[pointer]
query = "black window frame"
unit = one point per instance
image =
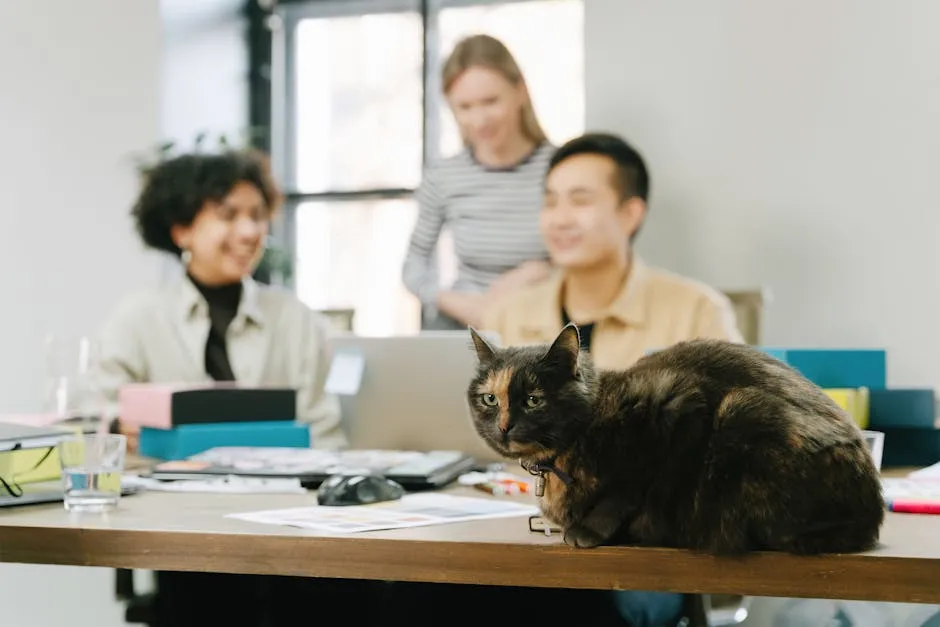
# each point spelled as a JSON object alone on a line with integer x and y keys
{"x": 269, "y": 70}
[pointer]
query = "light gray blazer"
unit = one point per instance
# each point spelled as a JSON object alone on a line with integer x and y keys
{"x": 158, "y": 335}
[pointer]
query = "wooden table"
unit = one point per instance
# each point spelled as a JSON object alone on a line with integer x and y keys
{"x": 165, "y": 531}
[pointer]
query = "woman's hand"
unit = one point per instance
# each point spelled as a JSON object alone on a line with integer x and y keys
{"x": 468, "y": 307}
{"x": 526, "y": 273}
{"x": 465, "y": 307}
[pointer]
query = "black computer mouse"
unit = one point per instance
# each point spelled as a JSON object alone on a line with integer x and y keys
{"x": 358, "y": 490}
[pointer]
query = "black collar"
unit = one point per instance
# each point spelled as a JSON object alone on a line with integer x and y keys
{"x": 548, "y": 465}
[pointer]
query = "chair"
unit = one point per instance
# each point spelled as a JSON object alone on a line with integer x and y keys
{"x": 340, "y": 319}
{"x": 694, "y": 611}
{"x": 138, "y": 608}
{"x": 725, "y": 610}
{"x": 748, "y": 308}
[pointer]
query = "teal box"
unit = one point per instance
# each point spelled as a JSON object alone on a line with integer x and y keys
{"x": 837, "y": 368}
{"x": 186, "y": 440}
{"x": 891, "y": 409}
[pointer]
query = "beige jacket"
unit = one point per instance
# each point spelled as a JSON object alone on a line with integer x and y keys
{"x": 159, "y": 335}
{"x": 654, "y": 310}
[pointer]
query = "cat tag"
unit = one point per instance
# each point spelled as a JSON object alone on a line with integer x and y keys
{"x": 540, "y": 484}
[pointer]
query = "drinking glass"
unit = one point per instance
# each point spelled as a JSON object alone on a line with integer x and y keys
{"x": 92, "y": 465}
{"x": 71, "y": 393}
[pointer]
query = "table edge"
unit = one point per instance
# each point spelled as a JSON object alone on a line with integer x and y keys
{"x": 869, "y": 576}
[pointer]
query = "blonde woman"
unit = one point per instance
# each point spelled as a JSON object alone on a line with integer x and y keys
{"x": 489, "y": 195}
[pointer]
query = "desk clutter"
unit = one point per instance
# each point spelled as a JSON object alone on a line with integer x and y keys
{"x": 177, "y": 421}
{"x": 42, "y": 463}
{"x": 856, "y": 379}
{"x": 917, "y": 493}
{"x": 414, "y": 470}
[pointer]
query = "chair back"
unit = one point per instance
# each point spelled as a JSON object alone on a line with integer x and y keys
{"x": 748, "y": 308}
{"x": 341, "y": 320}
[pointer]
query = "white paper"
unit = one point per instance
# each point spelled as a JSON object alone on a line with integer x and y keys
{"x": 930, "y": 472}
{"x": 921, "y": 489}
{"x": 345, "y": 373}
{"x": 412, "y": 510}
{"x": 219, "y": 485}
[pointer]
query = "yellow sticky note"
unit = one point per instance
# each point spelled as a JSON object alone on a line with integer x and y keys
{"x": 29, "y": 466}
{"x": 855, "y": 402}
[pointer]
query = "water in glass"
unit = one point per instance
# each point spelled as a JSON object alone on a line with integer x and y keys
{"x": 91, "y": 471}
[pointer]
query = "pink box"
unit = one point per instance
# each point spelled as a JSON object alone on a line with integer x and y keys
{"x": 150, "y": 404}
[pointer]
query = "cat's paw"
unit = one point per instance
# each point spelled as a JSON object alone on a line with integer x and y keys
{"x": 582, "y": 538}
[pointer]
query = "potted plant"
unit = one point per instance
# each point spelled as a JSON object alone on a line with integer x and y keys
{"x": 276, "y": 266}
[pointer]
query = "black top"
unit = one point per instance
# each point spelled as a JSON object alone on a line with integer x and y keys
{"x": 223, "y": 305}
{"x": 586, "y": 331}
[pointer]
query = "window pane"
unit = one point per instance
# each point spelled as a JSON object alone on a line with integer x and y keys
{"x": 547, "y": 40}
{"x": 358, "y": 108}
{"x": 350, "y": 255}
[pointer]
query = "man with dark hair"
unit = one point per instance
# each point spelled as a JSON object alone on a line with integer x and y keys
{"x": 596, "y": 193}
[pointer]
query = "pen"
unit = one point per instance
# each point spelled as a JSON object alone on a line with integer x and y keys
{"x": 914, "y": 507}
{"x": 495, "y": 489}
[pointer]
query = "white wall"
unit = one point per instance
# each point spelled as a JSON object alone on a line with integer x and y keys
{"x": 205, "y": 71}
{"x": 793, "y": 145}
{"x": 80, "y": 96}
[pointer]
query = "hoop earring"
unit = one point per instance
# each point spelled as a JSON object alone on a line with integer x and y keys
{"x": 185, "y": 257}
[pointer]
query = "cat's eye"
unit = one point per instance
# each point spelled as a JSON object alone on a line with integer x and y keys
{"x": 532, "y": 401}
{"x": 489, "y": 400}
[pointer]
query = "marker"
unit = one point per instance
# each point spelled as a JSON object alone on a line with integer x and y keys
{"x": 492, "y": 488}
{"x": 495, "y": 488}
{"x": 901, "y": 506}
{"x": 516, "y": 484}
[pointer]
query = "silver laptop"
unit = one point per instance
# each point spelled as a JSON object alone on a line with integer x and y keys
{"x": 413, "y": 393}
{"x": 16, "y": 436}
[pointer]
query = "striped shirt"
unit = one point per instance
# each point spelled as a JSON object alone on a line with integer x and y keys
{"x": 492, "y": 215}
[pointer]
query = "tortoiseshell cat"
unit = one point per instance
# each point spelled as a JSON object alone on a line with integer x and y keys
{"x": 707, "y": 445}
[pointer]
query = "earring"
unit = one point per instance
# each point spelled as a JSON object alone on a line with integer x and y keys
{"x": 185, "y": 257}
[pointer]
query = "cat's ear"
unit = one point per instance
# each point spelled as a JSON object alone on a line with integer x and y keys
{"x": 485, "y": 352}
{"x": 565, "y": 349}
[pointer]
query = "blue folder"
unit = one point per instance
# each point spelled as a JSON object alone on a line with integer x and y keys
{"x": 186, "y": 440}
{"x": 837, "y": 368}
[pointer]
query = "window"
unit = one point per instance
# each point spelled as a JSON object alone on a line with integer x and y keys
{"x": 358, "y": 111}
{"x": 357, "y": 117}
{"x": 351, "y": 257}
